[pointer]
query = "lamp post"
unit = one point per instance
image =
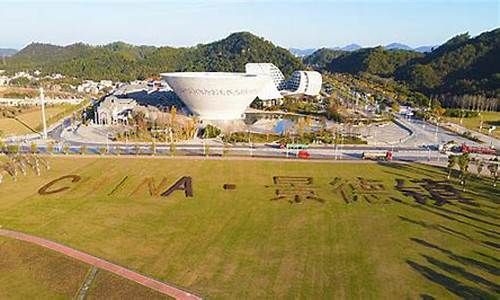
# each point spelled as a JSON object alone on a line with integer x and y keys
{"x": 42, "y": 104}
{"x": 107, "y": 142}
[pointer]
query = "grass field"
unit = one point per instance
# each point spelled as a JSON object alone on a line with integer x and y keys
{"x": 489, "y": 119}
{"x": 361, "y": 233}
{"x": 32, "y": 119}
{"x": 29, "y": 271}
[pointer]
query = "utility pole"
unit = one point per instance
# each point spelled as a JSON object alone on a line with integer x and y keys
{"x": 107, "y": 142}
{"x": 42, "y": 104}
{"x": 481, "y": 124}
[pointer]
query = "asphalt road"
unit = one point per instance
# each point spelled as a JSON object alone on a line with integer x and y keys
{"x": 414, "y": 148}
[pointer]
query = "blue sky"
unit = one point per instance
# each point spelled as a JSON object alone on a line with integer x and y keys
{"x": 288, "y": 23}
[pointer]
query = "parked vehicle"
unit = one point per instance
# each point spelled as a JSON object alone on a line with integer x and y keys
{"x": 449, "y": 146}
{"x": 478, "y": 150}
{"x": 303, "y": 154}
{"x": 294, "y": 146}
{"x": 381, "y": 155}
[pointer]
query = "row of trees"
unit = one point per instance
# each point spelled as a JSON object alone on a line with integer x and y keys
{"x": 468, "y": 102}
{"x": 463, "y": 161}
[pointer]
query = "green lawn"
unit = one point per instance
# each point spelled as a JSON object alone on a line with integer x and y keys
{"x": 489, "y": 119}
{"x": 29, "y": 271}
{"x": 32, "y": 119}
{"x": 227, "y": 244}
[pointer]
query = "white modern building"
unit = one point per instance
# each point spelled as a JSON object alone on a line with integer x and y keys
{"x": 225, "y": 96}
{"x": 216, "y": 95}
{"x": 301, "y": 82}
{"x": 304, "y": 82}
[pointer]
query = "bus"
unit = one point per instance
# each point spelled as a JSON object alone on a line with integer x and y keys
{"x": 295, "y": 146}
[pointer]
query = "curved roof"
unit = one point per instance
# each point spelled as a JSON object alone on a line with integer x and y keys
{"x": 216, "y": 95}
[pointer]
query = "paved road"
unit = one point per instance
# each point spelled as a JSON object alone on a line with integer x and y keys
{"x": 413, "y": 148}
{"x": 102, "y": 264}
{"x": 425, "y": 133}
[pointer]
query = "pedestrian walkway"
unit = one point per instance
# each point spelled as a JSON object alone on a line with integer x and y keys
{"x": 102, "y": 264}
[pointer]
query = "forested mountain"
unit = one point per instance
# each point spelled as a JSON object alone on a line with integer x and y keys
{"x": 322, "y": 57}
{"x": 121, "y": 61}
{"x": 377, "y": 61}
{"x": 462, "y": 65}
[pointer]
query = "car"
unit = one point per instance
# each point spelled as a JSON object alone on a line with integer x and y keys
{"x": 303, "y": 154}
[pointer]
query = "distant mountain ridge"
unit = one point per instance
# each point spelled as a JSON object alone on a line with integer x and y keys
{"x": 354, "y": 47}
{"x": 301, "y": 52}
{"x": 123, "y": 62}
{"x": 7, "y": 52}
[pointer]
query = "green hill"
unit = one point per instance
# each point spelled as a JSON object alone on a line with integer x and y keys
{"x": 121, "y": 61}
{"x": 377, "y": 61}
{"x": 463, "y": 65}
{"x": 322, "y": 57}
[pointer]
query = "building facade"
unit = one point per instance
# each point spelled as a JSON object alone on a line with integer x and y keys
{"x": 113, "y": 110}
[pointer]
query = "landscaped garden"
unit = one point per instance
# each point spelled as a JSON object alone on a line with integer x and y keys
{"x": 265, "y": 229}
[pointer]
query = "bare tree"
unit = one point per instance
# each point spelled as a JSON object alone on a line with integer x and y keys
{"x": 493, "y": 168}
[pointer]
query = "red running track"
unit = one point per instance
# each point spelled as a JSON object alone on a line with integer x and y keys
{"x": 102, "y": 264}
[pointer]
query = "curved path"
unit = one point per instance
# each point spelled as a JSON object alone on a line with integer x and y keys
{"x": 102, "y": 264}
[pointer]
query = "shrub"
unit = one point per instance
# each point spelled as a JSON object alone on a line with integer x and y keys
{"x": 459, "y": 113}
{"x": 211, "y": 132}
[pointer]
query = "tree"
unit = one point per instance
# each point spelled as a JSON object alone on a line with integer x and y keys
{"x": 172, "y": 149}
{"x": 103, "y": 150}
{"x": 83, "y": 149}
{"x": 463, "y": 164}
{"x": 65, "y": 149}
{"x": 479, "y": 168}
{"x": 211, "y": 131}
{"x": 173, "y": 114}
{"x": 493, "y": 168}
{"x": 13, "y": 148}
{"x": 452, "y": 162}
{"x": 395, "y": 107}
{"x": 33, "y": 148}
{"x": 50, "y": 147}
{"x": 2, "y": 144}
{"x": 152, "y": 147}
{"x": 206, "y": 149}
{"x": 137, "y": 149}
{"x": 225, "y": 149}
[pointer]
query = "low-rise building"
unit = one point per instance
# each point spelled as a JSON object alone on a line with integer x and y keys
{"x": 113, "y": 110}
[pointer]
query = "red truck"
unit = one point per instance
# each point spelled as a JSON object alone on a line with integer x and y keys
{"x": 379, "y": 155}
{"x": 478, "y": 150}
{"x": 303, "y": 154}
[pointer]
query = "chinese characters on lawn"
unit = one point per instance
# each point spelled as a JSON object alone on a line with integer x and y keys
{"x": 297, "y": 189}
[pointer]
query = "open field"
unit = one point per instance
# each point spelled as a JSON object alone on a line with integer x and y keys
{"x": 29, "y": 271}
{"x": 489, "y": 119}
{"x": 287, "y": 230}
{"x": 21, "y": 92}
{"x": 32, "y": 119}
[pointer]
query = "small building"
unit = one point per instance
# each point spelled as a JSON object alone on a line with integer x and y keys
{"x": 113, "y": 110}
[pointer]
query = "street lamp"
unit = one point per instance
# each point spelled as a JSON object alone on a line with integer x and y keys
{"x": 42, "y": 104}
{"x": 107, "y": 142}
